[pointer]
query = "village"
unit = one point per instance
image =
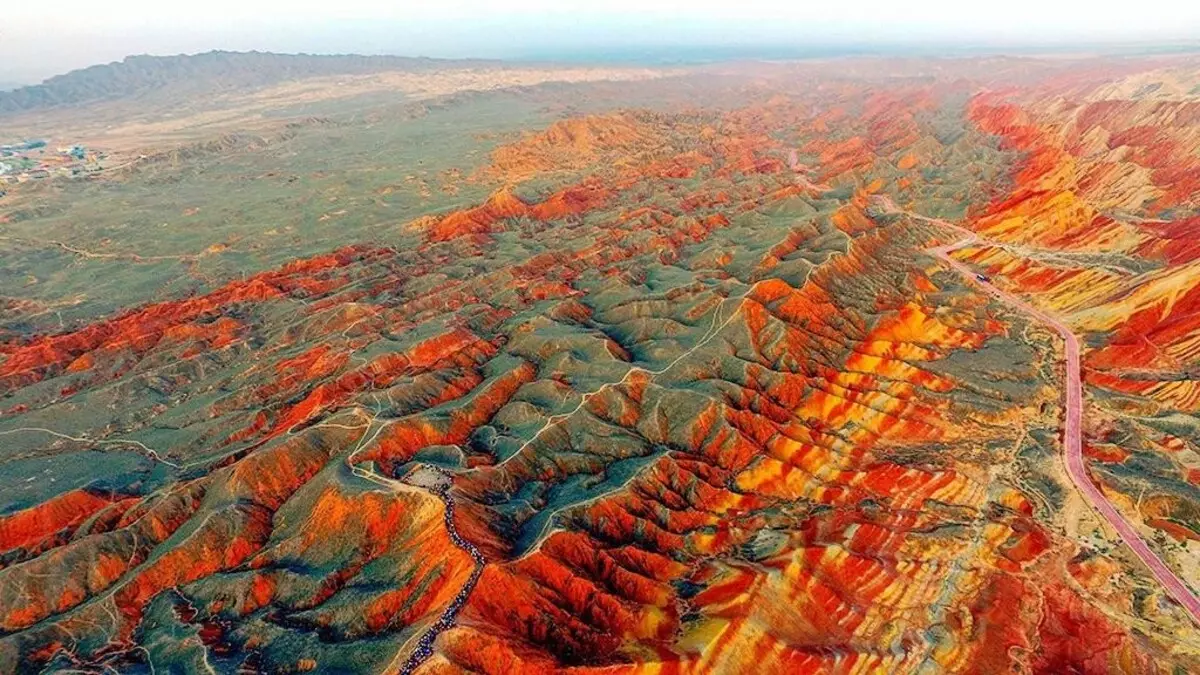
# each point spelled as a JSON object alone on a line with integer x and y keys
{"x": 36, "y": 160}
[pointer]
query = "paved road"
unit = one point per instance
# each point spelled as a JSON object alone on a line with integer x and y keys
{"x": 1073, "y": 435}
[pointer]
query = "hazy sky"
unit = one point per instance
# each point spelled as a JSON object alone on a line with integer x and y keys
{"x": 39, "y": 38}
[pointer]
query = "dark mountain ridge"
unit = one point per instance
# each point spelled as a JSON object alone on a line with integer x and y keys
{"x": 215, "y": 70}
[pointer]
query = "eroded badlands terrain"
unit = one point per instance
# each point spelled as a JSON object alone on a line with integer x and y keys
{"x": 667, "y": 379}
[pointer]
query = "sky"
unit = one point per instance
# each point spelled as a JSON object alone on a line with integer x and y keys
{"x": 40, "y": 38}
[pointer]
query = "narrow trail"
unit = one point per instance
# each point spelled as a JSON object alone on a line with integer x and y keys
{"x": 149, "y": 452}
{"x": 83, "y": 253}
{"x": 1072, "y": 434}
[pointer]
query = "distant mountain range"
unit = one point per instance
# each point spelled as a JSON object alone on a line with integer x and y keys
{"x": 216, "y": 70}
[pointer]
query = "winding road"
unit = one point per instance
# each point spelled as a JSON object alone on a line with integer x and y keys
{"x": 1073, "y": 435}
